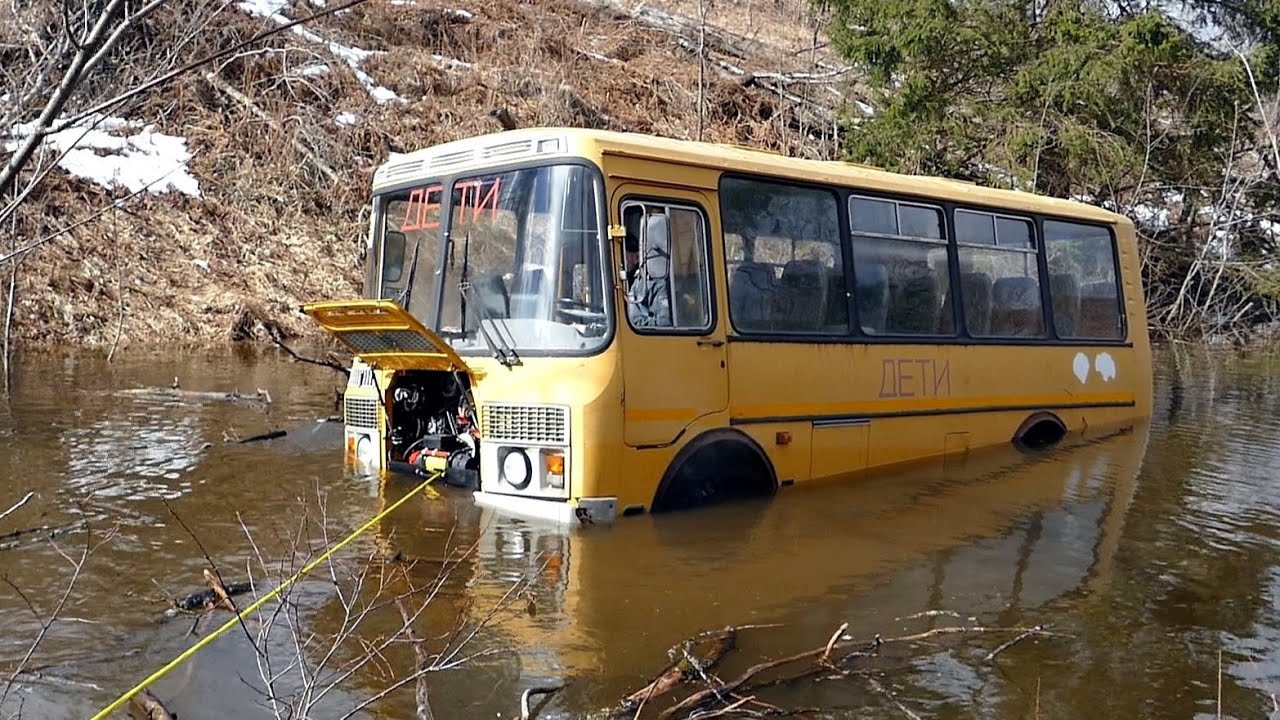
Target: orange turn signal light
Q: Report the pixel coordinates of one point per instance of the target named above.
(782, 438)
(555, 464)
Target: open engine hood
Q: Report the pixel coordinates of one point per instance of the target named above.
(385, 335)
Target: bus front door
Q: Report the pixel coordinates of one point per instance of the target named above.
(673, 348)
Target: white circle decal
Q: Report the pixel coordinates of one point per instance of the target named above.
(1081, 366)
(1105, 366)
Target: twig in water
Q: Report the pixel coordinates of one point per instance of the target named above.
(928, 613)
(1006, 645)
(835, 637)
(875, 685)
(729, 708)
(549, 690)
(421, 661)
(271, 333)
(77, 566)
(1037, 716)
(17, 505)
(1219, 683)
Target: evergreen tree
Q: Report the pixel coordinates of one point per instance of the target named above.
(1117, 103)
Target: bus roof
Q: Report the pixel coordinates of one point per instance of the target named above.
(527, 143)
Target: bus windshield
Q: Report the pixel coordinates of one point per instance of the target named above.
(522, 267)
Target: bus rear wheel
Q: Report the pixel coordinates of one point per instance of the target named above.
(1040, 431)
(715, 467)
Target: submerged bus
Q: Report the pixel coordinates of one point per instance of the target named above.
(580, 324)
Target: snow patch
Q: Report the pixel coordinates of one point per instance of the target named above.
(453, 63)
(352, 56)
(865, 108)
(314, 70)
(346, 119)
(1158, 218)
(263, 8)
(460, 14)
(114, 152)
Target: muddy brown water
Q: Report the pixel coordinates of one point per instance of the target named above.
(1150, 553)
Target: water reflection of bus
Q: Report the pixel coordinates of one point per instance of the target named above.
(996, 531)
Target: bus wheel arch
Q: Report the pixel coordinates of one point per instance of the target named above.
(715, 466)
(1039, 431)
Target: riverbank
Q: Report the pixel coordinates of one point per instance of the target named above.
(229, 198)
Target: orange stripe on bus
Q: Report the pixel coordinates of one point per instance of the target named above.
(654, 414)
(875, 407)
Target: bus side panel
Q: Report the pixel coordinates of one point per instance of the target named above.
(896, 404)
(1136, 312)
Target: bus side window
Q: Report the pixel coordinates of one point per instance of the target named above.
(792, 279)
(668, 285)
(902, 268)
(1000, 275)
(1085, 294)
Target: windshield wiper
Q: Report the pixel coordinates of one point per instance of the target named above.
(501, 349)
(413, 270)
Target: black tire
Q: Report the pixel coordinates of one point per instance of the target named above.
(717, 466)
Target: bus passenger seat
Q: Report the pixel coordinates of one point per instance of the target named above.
(1015, 307)
(976, 290)
(1065, 292)
(1099, 310)
(916, 306)
(751, 296)
(801, 294)
(872, 294)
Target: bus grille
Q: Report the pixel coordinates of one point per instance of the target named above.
(362, 413)
(543, 424)
(372, 341)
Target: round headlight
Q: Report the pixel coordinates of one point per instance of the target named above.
(516, 468)
(364, 450)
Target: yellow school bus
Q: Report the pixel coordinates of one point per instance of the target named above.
(581, 324)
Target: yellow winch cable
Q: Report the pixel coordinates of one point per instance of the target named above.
(235, 620)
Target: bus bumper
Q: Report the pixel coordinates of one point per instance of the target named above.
(584, 511)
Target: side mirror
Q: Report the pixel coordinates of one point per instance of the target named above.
(392, 256)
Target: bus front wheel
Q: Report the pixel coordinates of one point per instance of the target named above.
(716, 466)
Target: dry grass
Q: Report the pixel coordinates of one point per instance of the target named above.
(272, 228)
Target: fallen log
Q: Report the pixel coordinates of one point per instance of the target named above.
(23, 537)
(261, 396)
(272, 435)
(224, 597)
(208, 599)
(145, 706)
(684, 669)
